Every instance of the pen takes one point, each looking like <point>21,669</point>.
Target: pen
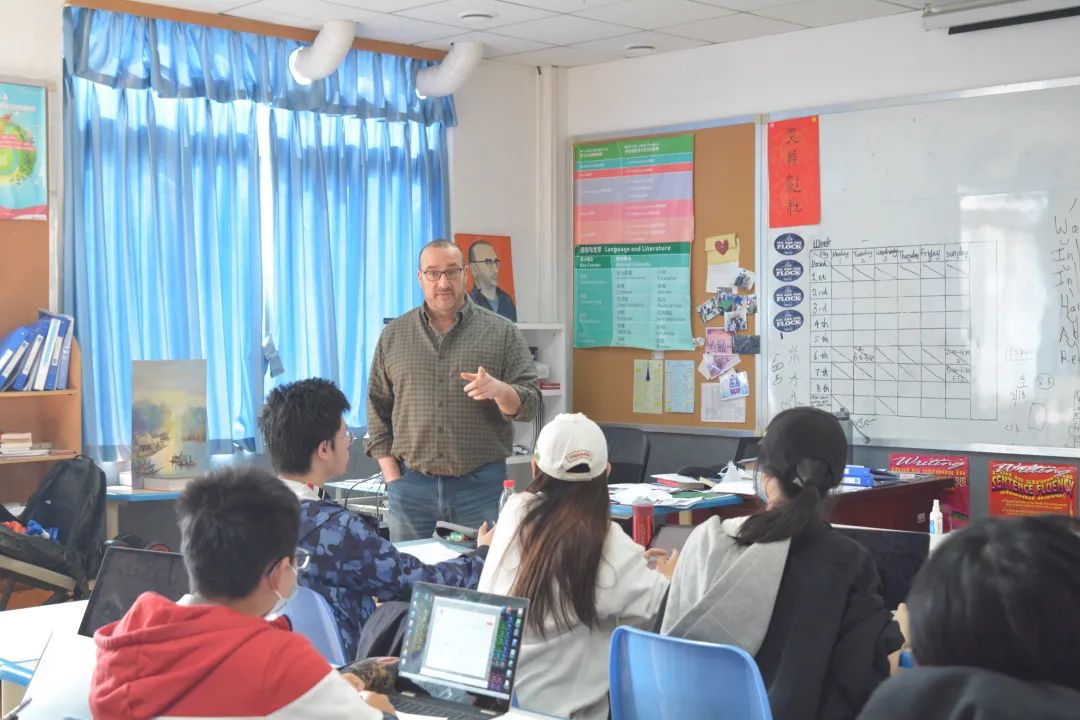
<point>14,713</point>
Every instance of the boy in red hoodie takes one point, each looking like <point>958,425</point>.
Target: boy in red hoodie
<point>212,654</point>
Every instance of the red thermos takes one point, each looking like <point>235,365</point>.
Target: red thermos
<point>643,522</point>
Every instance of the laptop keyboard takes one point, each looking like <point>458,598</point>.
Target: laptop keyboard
<point>429,706</point>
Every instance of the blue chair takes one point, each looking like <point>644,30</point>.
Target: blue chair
<point>658,677</point>
<point>312,617</point>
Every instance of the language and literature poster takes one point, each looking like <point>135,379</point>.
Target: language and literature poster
<point>956,503</point>
<point>633,228</point>
<point>1029,488</point>
<point>794,172</point>
<point>24,193</point>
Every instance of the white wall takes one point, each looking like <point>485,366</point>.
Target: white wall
<point>881,58</point>
<point>493,168</point>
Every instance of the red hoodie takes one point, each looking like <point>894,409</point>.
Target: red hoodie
<point>168,660</point>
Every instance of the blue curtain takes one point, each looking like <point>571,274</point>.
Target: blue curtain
<point>355,201</point>
<point>161,240</point>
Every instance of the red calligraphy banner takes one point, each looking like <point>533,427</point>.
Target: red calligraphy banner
<point>1029,488</point>
<point>794,172</point>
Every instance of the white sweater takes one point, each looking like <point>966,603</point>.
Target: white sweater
<point>566,674</point>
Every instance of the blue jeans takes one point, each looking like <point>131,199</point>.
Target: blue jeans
<point>417,500</point>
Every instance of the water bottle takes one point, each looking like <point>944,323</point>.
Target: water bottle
<point>642,523</point>
<point>937,529</point>
<point>507,493</point>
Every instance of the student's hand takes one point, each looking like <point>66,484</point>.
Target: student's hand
<point>652,555</point>
<point>666,565</point>
<point>355,680</point>
<point>900,615</point>
<point>379,702</point>
<point>485,534</point>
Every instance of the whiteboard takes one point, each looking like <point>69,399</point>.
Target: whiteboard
<point>940,293</point>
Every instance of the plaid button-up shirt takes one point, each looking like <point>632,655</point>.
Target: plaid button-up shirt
<point>416,407</point>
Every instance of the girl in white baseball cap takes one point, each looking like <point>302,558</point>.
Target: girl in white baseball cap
<point>556,545</point>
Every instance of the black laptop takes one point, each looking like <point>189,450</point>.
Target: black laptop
<point>125,574</point>
<point>464,644</point>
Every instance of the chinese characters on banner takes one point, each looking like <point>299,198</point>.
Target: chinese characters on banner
<point>1028,488</point>
<point>794,172</point>
<point>633,228</point>
<point>956,503</point>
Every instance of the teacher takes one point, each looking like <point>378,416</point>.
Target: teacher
<point>447,381</point>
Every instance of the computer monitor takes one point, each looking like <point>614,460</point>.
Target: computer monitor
<point>125,574</point>
<point>463,639</point>
<point>898,555</point>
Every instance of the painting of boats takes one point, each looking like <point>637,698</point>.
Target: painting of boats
<point>168,420</point>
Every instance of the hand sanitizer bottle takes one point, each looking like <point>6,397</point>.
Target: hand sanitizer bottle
<point>937,527</point>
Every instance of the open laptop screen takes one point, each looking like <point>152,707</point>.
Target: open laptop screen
<point>898,555</point>
<point>464,639</point>
<point>126,574</point>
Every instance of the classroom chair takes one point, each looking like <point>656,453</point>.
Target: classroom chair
<point>628,453</point>
<point>312,617</point>
<point>658,677</point>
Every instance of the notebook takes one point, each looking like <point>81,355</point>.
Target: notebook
<point>125,574</point>
<point>462,640</point>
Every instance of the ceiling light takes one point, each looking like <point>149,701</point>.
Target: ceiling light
<point>640,48</point>
<point>476,16</point>
<point>324,56</point>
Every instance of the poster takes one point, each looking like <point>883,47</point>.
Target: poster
<point>794,172</point>
<point>24,191</point>
<point>168,422</point>
<point>1027,488</point>
<point>715,407</point>
<point>956,504</point>
<point>633,230</point>
<point>649,386</point>
<point>679,386</point>
<point>490,278</point>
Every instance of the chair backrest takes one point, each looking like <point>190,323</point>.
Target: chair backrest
<point>658,677</point>
<point>628,453</point>
<point>312,617</point>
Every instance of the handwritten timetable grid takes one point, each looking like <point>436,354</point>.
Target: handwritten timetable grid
<point>891,331</point>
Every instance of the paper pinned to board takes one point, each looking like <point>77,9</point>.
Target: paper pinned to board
<point>649,386</point>
<point>679,386</point>
<point>714,408</point>
<point>721,276</point>
<point>721,249</point>
<point>713,366</point>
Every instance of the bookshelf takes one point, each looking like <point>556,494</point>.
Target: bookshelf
<point>55,416</point>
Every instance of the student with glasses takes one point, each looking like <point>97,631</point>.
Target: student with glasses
<point>447,381</point>
<point>352,566</point>
<point>220,651</point>
<point>484,264</point>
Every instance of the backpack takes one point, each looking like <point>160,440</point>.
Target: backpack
<point>71,499</point>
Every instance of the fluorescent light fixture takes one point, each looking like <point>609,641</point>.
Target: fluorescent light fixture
<point>956,14</point>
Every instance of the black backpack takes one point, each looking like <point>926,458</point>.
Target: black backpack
<point>71,499</point>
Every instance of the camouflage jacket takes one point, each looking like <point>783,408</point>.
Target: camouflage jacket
<point>352,566</point>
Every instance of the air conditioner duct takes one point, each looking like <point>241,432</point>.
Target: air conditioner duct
<point>960,16</point>
<point>323,58</point>
<point>449,75</point>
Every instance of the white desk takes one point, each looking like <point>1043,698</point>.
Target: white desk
<point>23,634</point>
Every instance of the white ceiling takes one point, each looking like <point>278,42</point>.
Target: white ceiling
<point>561,32</point>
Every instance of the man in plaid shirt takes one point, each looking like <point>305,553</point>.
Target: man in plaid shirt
<point>447,381</point>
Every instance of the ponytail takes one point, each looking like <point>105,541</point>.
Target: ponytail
<point>802,510</point>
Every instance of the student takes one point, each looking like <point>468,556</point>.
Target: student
<point>352,566</point>
<point>995,627</point>
<point>213,654</point>
<point>804,600</point>
<point>555,544</point>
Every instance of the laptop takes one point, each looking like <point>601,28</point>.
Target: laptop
<point>462,643</point>
<point>60,686</point>
<point>125,574</point>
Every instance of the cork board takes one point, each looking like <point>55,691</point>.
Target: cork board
<point>724,190</point>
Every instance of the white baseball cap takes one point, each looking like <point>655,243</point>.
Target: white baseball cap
<point>570,440</point>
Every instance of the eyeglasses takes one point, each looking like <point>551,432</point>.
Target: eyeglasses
<point>301,558</point>
<point>490,262</point>
<point>348,437</point>
<point>436,275</point>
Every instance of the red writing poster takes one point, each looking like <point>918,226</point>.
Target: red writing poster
<point>1027,488</point>
<point>794,172</point>
<point>955,504</point>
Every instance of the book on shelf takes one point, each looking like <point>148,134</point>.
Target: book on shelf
<point>60,357</point>
<point>16,437</point>
<point>37,356</point>
<point>24,378</point>
<point>13,351</point>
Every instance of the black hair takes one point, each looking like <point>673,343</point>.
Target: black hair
<point>472,249</point>
<point>441,244</point>
<point>805,451</point>
<point>1003,595</point>
<point>235,523</point>
<point>297,418</point>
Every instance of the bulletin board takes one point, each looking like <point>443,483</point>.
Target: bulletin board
<point>724,202</point>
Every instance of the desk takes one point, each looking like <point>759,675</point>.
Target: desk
<point>116,494</point>
<point>626,512</point>
<point>23,635</point>
<point>888,505</point>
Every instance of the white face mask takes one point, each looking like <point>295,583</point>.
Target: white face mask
<point>759,487</point>
<point>283,601</point>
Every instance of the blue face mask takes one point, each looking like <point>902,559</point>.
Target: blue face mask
<point>759,488</point>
